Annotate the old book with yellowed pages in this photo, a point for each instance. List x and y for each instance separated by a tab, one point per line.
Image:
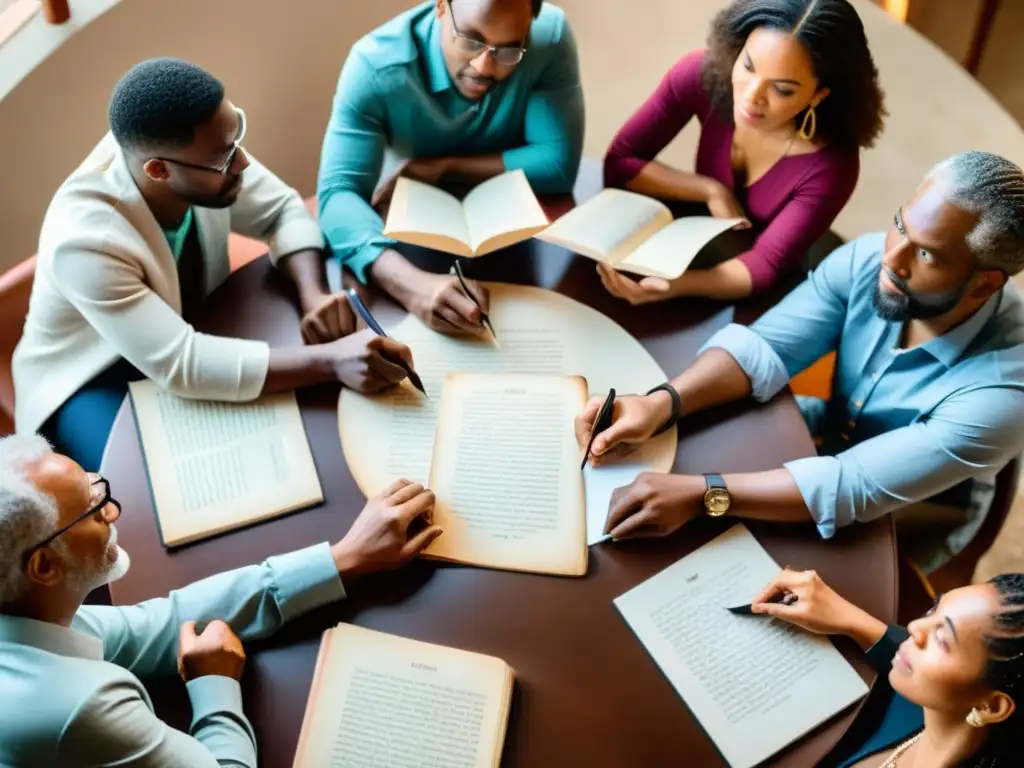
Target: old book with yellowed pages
506	473
754	683
215	466
495	214
635	233
380	699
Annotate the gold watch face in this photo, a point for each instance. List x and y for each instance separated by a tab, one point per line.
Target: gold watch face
716	501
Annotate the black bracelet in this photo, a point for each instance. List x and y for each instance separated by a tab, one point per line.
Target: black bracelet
677	406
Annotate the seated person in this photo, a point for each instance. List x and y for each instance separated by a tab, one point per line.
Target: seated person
928	390
137	237
949	683
71	673
786	94
461	91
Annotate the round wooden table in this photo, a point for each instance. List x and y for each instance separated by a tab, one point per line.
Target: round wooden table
587	693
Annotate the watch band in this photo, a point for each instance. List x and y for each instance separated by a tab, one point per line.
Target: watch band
677	406
714	481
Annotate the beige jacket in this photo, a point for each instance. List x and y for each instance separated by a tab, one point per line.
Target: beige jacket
106	286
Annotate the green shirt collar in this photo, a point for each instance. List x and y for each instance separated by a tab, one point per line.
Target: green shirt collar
176	236
430	39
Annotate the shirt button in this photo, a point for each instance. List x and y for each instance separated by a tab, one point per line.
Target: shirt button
845	437
858	404
876	376
851	423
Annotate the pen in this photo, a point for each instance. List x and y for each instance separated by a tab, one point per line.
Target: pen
358	306
601	423
457	269
748	609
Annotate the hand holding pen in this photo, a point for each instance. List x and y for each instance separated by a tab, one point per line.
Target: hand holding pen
464	284
402	361
802	598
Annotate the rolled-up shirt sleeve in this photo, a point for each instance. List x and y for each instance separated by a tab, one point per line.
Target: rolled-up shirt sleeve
797	331
968	434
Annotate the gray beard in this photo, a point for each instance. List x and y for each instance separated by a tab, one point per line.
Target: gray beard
85	580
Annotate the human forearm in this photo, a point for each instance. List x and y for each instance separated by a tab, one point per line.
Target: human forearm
715	378
392	272
473	168
297	367
662	181
307	272
729	280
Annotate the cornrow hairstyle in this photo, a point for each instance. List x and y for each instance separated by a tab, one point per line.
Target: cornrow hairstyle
1005	672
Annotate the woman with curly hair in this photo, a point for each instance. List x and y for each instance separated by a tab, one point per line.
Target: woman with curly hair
786	95
950	682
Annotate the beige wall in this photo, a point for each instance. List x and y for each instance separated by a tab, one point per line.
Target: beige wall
280	62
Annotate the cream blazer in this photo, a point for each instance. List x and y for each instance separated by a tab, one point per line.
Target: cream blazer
106	286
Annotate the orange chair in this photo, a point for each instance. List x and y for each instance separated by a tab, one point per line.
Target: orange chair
15	288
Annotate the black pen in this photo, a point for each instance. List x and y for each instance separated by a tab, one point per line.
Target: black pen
457	268
358	306
748	609
601	423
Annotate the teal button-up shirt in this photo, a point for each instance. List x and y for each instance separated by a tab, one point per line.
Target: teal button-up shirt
903	424
395	92
73	697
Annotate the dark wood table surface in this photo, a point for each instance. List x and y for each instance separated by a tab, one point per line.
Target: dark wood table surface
587	693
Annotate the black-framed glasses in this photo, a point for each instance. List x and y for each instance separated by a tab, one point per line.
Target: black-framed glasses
98	506
224	167
504	55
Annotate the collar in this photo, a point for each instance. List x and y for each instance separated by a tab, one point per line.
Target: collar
49	637
437	70
948	347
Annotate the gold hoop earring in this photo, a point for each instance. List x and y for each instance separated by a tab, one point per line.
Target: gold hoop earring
806	133
974	718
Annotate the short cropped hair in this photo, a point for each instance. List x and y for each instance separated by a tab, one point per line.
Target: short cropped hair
160	103
536	5
27	515
992	188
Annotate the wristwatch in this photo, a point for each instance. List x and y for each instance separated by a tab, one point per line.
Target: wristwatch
716	497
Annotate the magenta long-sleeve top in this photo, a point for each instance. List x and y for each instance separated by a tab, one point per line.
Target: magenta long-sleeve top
790	207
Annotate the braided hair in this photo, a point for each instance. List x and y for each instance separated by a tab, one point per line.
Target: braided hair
1005	672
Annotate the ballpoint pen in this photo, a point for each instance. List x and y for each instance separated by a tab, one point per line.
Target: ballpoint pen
457	269
371	322
601	423
748	609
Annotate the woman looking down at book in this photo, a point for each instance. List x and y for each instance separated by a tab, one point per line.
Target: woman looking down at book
954	675
786	94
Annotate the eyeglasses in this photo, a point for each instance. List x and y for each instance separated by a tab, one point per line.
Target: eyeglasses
105	499
504	55
224	167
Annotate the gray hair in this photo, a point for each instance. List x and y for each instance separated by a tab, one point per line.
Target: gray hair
27	515
991	187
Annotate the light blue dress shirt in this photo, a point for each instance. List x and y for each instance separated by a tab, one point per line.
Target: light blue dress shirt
73	697
902	424
395	92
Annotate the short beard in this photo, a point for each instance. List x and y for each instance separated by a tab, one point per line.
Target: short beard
900	307
83	578
220	200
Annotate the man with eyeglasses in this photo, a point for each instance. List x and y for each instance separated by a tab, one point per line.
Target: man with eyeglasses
134	241
71	691
449	92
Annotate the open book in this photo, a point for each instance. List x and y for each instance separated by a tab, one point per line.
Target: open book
754	683
218	466
506	473
497	213
378	699
635	233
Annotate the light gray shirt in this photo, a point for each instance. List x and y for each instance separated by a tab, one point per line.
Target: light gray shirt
73	697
